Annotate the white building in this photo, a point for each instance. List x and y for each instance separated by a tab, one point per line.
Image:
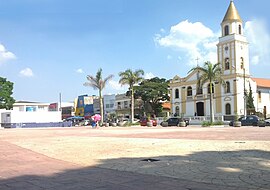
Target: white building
109	104
233	54
30	112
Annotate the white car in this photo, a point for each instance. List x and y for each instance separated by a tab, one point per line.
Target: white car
267	120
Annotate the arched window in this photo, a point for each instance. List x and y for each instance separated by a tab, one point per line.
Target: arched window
228	87
189	91
242	62
227	63
240	29
228	109
177	111
176	93
226	30
208	88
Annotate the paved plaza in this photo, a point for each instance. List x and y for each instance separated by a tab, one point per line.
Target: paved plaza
191	158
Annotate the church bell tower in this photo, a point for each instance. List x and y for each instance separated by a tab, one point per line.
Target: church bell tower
232	48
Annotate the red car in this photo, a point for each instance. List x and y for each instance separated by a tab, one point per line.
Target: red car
144	120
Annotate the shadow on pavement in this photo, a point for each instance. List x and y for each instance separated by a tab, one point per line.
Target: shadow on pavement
241	170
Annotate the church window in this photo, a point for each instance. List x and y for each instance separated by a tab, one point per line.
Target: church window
227	63
189	91
228	87
226	30
242	62
240	29
177	111
260	96
177	93
208	88
228	109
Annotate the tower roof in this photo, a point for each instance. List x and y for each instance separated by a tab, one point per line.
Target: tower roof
232	14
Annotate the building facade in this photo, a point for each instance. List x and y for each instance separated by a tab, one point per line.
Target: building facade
189	99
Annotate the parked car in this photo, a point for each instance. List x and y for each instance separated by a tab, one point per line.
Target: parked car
144	120
267	121
250	120
75	120
174	121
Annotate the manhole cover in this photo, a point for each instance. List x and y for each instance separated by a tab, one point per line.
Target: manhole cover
150	160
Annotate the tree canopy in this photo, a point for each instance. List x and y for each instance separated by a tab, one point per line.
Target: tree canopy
250	100
6	90
153	92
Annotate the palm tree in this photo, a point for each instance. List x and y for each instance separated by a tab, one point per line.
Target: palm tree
98	83
209	73
131	78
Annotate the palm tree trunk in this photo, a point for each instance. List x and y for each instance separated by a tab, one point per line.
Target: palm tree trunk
211	104
101	106
132	105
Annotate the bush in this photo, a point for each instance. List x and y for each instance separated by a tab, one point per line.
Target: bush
208	123
128	124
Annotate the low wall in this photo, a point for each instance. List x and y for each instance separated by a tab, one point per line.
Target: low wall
36	125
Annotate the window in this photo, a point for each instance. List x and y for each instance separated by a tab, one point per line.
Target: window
126	104
228	109
228	87
226	30
227	63
242	62
177	111
177	93
208	88
189	91
240	29
259	96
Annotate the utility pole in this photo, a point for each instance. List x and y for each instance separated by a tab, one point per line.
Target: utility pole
60	102
245	96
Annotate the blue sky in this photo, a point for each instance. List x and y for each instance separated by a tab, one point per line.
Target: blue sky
50	46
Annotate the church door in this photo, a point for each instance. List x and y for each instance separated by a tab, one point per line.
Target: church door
200	108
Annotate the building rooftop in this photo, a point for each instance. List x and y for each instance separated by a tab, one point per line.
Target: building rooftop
262	82
232	14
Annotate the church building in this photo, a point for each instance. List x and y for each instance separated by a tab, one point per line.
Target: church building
228	100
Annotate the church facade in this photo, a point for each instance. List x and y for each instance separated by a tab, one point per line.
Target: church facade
228	100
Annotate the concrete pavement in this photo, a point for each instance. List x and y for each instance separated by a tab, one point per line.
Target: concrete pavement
111	158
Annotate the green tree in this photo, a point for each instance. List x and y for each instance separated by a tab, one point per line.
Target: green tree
130	78
209	73
153	92
250	100
96	82
6	88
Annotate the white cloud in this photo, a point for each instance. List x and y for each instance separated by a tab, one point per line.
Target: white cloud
5	55
116	86
169	57
193	39
79	71
259	41
27	72
162	30
149	75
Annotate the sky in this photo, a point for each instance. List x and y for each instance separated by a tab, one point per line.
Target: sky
48	47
